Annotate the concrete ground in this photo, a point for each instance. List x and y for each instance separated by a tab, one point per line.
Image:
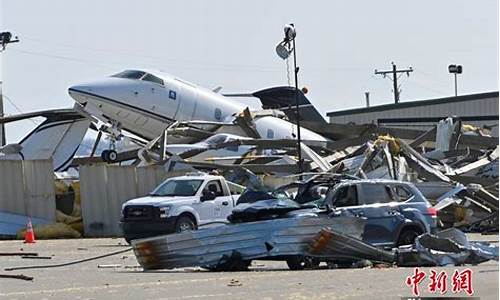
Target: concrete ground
99	279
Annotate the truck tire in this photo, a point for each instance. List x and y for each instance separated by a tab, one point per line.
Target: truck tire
184	223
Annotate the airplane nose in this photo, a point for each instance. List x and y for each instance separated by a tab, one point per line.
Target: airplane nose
77	92
80	88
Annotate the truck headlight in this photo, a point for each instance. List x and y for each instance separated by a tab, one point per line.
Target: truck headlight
164	211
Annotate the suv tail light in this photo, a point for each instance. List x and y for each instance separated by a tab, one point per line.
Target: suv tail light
432	211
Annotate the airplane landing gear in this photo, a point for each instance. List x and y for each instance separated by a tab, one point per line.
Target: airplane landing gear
109	156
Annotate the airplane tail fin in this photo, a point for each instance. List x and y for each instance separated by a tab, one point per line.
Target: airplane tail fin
283	98
58	137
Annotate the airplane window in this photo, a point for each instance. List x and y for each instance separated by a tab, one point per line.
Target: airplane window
152	78
218	114
270	134
130	74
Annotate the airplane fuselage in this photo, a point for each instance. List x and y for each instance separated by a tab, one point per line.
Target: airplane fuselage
146	103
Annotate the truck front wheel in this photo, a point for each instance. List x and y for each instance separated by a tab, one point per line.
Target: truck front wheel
184	223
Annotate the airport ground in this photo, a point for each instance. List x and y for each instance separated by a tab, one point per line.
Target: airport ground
120	277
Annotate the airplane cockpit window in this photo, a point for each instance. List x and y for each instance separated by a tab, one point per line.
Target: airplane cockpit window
139	75
152	78
130	74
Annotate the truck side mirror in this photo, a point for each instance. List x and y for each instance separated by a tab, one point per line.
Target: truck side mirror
207	195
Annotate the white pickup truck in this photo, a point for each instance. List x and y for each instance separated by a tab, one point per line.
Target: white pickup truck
179	204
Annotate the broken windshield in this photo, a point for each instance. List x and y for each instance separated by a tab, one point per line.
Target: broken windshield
178	188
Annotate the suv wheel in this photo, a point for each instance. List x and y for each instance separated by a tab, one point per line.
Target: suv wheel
302	262
407	237
184	223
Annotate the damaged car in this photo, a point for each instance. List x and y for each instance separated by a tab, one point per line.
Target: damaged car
396	212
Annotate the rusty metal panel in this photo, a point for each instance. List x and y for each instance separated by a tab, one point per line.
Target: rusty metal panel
12	187
39	189
252	240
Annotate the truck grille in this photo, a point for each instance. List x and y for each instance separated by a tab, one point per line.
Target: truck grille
140	213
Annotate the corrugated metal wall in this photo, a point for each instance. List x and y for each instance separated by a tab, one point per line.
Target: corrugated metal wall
103	190
479	107
27	188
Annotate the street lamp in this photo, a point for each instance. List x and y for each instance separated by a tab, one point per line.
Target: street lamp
5	39
284	49
455	69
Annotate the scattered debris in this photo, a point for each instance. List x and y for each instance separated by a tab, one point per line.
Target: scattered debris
20	276
336	246
233	246
36	257
234	282
18	253
109	266
68	263
448	247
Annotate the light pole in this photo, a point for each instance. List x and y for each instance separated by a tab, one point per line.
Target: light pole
455	69
5	38
283	49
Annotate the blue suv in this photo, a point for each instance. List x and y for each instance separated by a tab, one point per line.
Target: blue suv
396	212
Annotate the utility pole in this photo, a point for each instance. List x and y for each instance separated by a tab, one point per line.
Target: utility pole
395	78
5	38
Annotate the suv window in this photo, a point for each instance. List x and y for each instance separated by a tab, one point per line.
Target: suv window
346	196
403	193
376	193
215	187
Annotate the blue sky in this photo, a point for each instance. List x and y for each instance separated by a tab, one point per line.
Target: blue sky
231	44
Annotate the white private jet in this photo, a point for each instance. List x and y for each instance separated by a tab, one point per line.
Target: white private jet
145	103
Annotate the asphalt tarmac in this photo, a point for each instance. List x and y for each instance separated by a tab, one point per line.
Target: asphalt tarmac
120	277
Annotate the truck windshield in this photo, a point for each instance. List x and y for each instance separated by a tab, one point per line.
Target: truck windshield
187	187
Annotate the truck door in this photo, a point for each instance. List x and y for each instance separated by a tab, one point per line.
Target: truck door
205	208
222	201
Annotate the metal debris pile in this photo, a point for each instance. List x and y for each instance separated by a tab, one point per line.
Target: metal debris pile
454	165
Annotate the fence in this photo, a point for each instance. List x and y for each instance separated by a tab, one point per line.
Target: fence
103	190
27	188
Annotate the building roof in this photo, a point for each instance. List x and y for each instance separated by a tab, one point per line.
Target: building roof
470	97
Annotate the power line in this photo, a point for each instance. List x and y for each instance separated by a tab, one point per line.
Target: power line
17	108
